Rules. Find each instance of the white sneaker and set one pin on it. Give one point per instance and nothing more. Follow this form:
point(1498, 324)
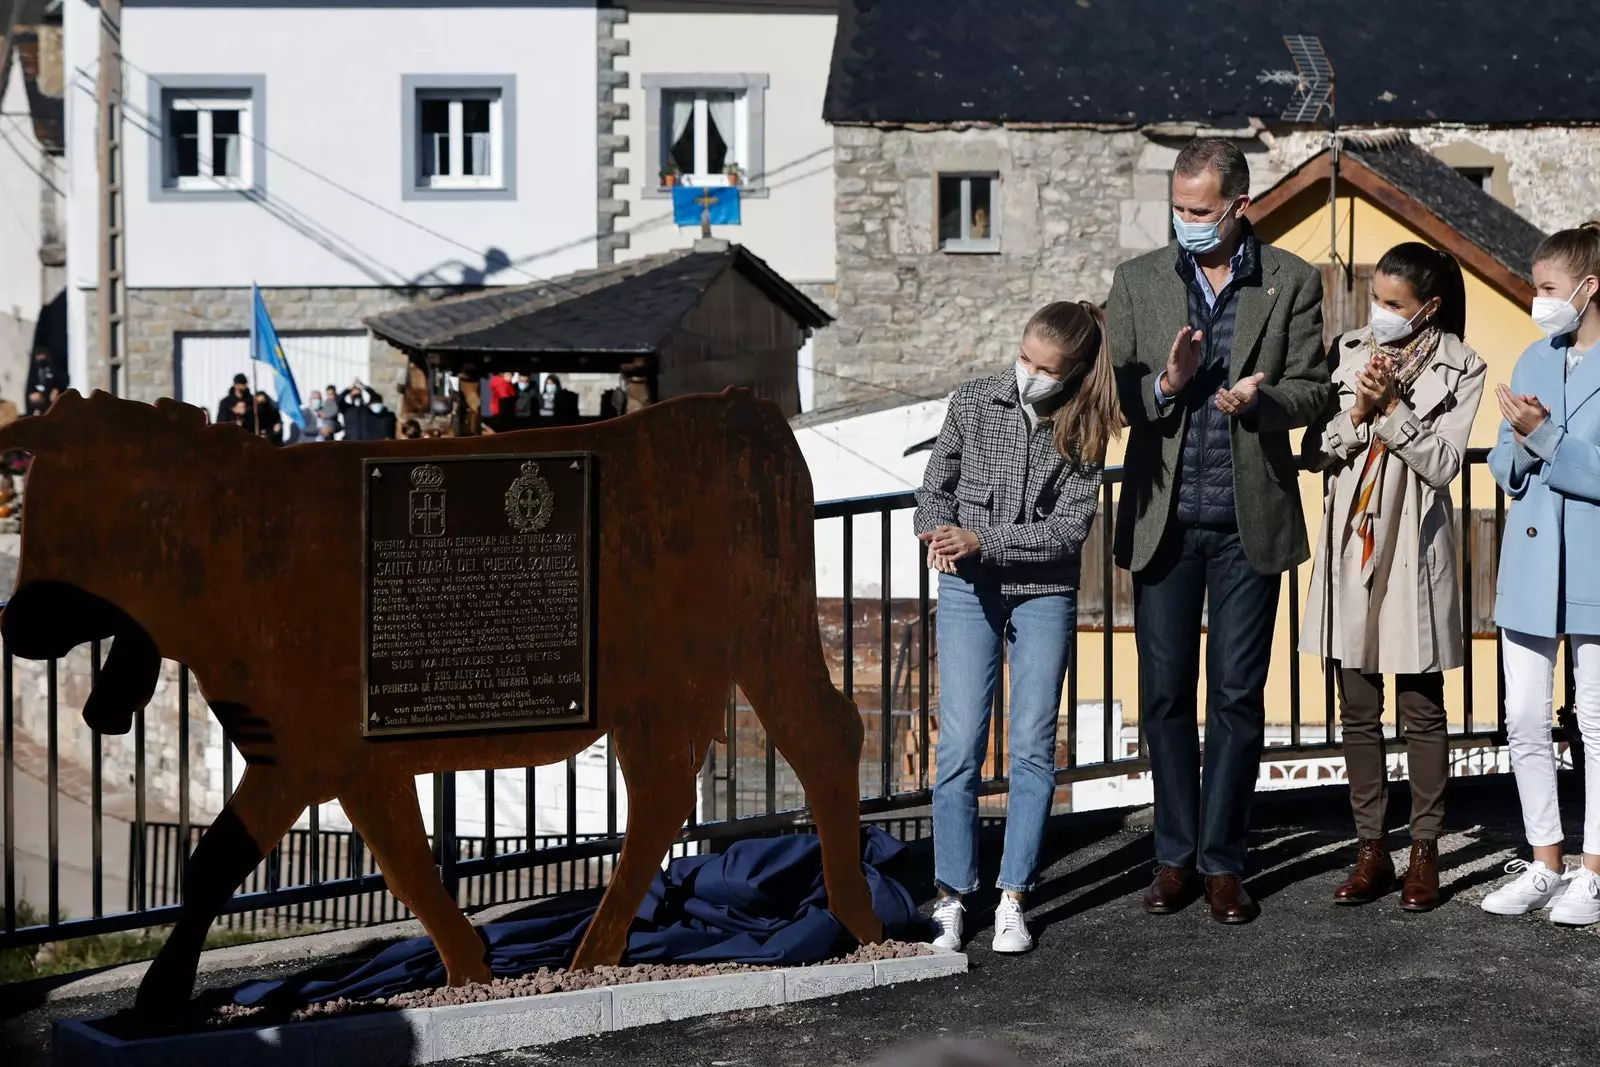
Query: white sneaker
point(1535, 888)
point(947, 915)
point(1010, 930)
point(1579, 905)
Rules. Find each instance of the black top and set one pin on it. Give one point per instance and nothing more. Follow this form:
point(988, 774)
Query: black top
point(1151, 61)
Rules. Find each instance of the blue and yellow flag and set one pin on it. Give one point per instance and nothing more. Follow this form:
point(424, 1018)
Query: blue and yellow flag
point(689, 201)
point(265, 347)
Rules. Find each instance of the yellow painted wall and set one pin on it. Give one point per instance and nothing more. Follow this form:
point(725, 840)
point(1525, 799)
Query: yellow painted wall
point(1498, 329)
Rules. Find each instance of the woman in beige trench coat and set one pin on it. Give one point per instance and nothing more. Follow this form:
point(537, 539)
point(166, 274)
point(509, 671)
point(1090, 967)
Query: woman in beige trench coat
point(1384, 595)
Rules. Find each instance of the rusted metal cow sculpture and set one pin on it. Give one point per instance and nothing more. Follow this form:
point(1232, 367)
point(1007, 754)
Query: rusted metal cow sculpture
point(201, 543)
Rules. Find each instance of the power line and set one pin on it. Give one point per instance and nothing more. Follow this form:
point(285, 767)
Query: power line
point(155, 134)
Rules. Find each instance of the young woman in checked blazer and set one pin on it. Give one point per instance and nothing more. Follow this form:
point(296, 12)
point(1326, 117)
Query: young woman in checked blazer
point(1005, 505)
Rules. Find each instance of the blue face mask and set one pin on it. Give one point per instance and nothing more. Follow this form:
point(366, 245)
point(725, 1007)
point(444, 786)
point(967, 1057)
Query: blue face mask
point(1199, 237)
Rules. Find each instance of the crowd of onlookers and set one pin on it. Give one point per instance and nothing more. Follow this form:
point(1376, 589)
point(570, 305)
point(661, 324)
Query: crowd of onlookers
point(356, 413)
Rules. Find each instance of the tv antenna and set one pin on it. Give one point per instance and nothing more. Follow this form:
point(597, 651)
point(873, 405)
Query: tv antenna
point(1312, 79)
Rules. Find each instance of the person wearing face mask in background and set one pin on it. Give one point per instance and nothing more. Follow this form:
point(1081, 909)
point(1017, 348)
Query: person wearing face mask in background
point(1006, 501)
point(1384, 597)
point(1219, 355)
point(1547, 460)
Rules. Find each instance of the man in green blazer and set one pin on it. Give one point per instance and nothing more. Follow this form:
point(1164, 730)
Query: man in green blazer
point(1218, 347)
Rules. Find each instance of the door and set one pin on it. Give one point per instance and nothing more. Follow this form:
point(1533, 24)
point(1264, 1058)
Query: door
point(207, 362)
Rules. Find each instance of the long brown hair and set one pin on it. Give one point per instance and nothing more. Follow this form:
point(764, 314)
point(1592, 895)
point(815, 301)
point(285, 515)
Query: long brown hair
point(1577, 249)
point(1091, 414)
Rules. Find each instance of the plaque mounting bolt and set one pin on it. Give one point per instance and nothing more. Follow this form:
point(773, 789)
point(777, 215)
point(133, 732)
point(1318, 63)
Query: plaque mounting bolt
point(376, 473)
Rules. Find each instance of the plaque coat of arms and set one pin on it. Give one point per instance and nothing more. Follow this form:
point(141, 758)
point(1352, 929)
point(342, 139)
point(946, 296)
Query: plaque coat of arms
point(530, 500)
point(427, 501)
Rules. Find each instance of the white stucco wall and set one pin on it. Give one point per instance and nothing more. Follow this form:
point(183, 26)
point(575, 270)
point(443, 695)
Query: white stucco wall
point(333, 118)
point(21, 276)
point(792, 228)
point(865, 456)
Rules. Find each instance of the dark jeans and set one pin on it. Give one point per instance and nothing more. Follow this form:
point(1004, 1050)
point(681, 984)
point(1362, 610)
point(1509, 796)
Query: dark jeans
point(1203, 824)
point(1419, 703)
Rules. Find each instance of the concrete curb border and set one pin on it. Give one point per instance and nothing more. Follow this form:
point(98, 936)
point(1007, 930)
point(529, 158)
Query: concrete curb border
point(427, 1035)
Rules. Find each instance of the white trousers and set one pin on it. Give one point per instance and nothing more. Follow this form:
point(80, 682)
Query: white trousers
point(1530, 664)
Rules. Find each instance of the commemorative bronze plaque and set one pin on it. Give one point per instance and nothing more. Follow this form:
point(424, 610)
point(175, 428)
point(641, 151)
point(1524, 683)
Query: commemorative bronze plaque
point(479, 593)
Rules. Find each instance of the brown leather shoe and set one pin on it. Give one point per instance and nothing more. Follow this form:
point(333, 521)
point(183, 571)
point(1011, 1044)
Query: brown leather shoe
point(1229, 901)
point(1421, 891)
point(1174, 889)
point(1372, 878)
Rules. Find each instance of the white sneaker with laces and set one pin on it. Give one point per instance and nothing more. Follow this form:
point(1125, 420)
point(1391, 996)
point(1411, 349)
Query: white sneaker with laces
point(1010, 929)
point(1536, 887)
point(947, 915)
point(1579, 905)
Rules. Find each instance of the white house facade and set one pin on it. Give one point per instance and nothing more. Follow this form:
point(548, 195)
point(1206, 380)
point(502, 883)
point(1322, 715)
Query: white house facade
point(702, 88)
point(346, 158)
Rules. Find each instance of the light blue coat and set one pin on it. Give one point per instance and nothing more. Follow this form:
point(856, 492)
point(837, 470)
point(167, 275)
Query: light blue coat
point(1549, 581)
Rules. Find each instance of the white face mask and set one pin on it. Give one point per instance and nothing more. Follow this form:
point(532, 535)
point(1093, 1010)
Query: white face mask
point(1388, 327)
point(1035, 387)
point(1555, 316)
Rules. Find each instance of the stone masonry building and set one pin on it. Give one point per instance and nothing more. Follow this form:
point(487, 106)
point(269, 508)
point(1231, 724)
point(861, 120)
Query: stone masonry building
point(993, 166)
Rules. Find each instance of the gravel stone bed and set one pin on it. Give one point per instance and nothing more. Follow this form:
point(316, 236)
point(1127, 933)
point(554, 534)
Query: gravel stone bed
point(544, 980)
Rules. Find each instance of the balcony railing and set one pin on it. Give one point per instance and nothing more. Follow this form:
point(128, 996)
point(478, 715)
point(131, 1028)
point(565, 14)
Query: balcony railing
point(886, 663)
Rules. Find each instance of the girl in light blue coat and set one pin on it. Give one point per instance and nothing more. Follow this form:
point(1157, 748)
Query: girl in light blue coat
point(1548, 461)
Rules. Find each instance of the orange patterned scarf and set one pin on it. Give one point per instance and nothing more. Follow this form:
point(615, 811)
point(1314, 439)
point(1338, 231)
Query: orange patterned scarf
point(1409, 362)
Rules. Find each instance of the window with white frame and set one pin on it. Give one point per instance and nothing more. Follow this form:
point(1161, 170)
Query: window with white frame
point(207, 140)
point(705, 133)
point(460, 139)
point(969, 212)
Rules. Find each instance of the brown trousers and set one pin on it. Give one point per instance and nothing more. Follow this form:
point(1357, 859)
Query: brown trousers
point(1419, 699)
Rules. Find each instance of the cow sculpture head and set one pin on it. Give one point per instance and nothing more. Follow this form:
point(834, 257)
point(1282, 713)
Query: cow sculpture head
point(79, 508)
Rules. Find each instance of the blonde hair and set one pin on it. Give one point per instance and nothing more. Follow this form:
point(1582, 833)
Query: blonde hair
point(1091, 414)
point(1577, 249)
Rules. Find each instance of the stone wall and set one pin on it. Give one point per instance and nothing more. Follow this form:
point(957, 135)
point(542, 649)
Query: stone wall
point(157, 316)
point(914, 321)
point(917, 320)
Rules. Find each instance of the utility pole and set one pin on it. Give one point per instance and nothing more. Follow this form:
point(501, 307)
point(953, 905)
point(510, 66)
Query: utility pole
point(110, 295)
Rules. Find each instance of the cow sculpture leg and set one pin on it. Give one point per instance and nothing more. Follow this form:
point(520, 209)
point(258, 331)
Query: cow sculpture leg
point(661, 791)
point(384, 811)
point(819, 732)
point(256, 818)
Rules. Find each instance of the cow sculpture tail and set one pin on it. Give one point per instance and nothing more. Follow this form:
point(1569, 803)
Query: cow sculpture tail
point(778, 660)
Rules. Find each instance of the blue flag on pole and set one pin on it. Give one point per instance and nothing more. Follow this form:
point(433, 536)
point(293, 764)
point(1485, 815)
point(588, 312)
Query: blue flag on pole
point(688, 201)
point(265, 347)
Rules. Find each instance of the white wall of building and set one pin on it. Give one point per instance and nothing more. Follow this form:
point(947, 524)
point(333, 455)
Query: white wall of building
point(864, 455)
point(21, 276)
point(333, 213)
point(792, 228)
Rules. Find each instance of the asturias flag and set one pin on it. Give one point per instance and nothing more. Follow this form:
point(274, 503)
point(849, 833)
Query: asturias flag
point(265, 347)
point(688, 201)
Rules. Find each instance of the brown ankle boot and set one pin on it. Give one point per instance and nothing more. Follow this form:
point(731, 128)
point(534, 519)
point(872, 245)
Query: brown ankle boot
point(1421, 892)
point(1372, 878)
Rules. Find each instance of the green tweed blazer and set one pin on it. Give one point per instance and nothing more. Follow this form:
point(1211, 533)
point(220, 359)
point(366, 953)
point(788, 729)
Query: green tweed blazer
point(1277, 332)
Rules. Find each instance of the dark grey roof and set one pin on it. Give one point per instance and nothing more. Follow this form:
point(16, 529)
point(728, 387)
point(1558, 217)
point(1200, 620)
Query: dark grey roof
point(623, 308)
point(1155, 61)
point(1505, 235)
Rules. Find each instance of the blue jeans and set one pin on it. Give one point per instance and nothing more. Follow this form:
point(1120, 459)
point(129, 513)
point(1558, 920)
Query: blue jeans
point(974, 617)
point(1203, 818)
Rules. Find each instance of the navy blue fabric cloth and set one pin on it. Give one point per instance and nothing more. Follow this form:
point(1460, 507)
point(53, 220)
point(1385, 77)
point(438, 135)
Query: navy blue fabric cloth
point(1205, 478)
point(762, 902)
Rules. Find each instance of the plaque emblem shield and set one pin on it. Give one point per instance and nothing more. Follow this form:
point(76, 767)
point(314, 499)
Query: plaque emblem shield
point(530, 500)
point(427, 501)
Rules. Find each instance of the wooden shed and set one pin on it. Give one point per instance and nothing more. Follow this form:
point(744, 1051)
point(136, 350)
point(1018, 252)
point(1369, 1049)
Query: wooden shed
point(694, 320)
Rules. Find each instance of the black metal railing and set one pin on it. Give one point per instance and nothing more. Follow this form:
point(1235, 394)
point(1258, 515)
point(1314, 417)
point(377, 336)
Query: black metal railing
point(318, 876)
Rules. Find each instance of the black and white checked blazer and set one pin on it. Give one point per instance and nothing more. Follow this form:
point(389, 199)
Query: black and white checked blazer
point(990, 474)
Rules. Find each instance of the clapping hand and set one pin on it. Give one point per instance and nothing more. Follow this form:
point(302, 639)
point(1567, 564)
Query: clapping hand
point(1241, 398)
point(1525, 413)
point(1184, 360)
point(1374, 388)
